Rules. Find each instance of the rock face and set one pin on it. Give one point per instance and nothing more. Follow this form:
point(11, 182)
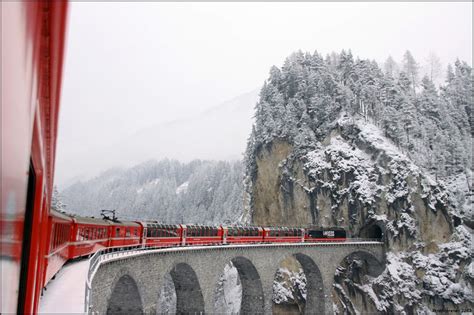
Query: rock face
point(322, 154)
point(359, 180)
point(355, 179)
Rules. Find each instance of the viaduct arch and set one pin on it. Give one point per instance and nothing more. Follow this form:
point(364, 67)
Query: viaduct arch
point(195, 273)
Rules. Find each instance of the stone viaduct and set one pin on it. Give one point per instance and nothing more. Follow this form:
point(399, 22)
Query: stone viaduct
point(132, 284)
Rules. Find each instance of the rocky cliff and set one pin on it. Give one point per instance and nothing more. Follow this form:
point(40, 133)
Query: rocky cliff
point(345, 167)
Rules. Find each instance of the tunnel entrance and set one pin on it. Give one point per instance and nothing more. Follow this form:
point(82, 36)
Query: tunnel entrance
point(125, 298)
point(298, 287)
point(189, 299)
point(239, 289)
point(372, 231)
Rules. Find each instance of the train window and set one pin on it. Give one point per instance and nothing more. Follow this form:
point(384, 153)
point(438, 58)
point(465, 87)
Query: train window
point(135, 232)
point(117, 232)
point(127, 232)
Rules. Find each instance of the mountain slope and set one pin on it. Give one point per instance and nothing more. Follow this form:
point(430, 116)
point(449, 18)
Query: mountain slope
point(168, 191)
point(339, 143)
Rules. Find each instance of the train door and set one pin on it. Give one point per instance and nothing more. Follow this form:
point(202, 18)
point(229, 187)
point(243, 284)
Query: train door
point(224, 237)
point(183, 238)
point(26, 265)
point(145, 229)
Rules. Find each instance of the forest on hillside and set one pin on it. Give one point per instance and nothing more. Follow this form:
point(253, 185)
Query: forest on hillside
point(429, 122)
point(167, 190)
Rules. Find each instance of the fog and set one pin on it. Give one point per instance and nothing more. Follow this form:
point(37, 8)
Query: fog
point(133, 67)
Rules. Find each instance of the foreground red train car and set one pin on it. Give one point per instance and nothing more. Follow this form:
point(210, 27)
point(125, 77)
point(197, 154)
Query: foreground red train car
point(60, 229)
point(32, 56)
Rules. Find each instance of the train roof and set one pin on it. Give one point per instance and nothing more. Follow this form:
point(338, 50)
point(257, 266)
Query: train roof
point(61, 215)
point(160, 225)
point(192, 226)
point(325, 228)
point(123, 223)
point(240, 227)
point(281, 228)
point(89, 220)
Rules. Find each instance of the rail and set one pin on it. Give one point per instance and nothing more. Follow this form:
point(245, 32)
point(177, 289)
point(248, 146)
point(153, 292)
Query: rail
point(116, 252)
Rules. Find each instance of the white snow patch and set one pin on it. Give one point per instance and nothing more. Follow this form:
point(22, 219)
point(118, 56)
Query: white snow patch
point(229, 291)
point(65, 294)
point(183, 188)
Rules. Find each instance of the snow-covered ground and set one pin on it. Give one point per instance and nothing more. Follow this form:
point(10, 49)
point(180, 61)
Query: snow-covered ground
point(65, 294)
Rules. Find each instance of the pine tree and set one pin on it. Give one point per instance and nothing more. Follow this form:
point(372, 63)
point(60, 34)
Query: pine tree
point(390, 67)
point(433, 65)
point(411, 68)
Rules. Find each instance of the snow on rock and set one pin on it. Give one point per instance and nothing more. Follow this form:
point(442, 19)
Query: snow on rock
point(229, 291)
point(338, 158)
point(397, 282)
point(289, 287)
point(441, 269)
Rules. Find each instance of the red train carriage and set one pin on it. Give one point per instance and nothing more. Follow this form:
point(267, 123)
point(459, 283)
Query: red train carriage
point(124, 233)
point(283, 235)
point(156, 234)
point(325, 235)
point(88, 236)
point(202, 235)
point(242, 234)
point(60, 232)
point(33, 37)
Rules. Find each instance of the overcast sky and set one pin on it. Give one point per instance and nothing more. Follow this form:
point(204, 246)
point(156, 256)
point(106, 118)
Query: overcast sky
point(132, 65)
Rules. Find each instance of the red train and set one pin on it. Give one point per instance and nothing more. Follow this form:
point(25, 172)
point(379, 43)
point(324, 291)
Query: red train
point(35, 242)
point(33, 37)
point(73, 237)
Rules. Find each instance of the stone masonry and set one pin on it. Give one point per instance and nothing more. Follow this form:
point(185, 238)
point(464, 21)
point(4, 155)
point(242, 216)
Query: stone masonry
point(131, 284)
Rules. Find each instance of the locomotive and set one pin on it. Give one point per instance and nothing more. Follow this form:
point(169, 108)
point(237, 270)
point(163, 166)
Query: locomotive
point(73, 237)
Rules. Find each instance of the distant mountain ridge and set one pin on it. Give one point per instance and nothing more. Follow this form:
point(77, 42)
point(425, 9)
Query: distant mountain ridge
point(168, 191)
point(219, 133)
